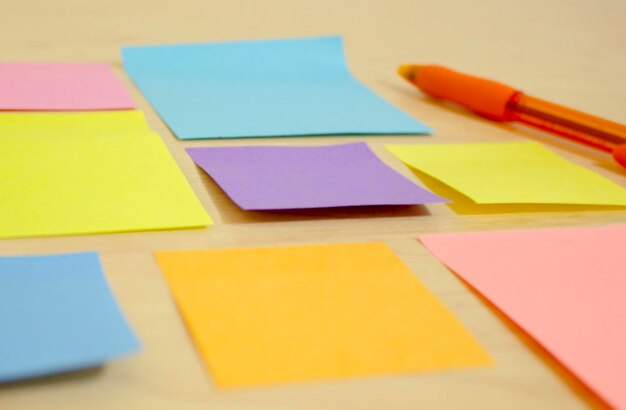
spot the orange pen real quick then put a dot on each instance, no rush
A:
(500, 102)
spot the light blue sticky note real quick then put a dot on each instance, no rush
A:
(261, 89)
(57, 314)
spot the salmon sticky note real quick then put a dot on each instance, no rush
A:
(61, 87)
(276, 315)
(85, 180)
(565, 287)
(57, 314)
(509, 173)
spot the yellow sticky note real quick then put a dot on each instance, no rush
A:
(91, 182)
(509, 173)
(14, 124)
(274, 315)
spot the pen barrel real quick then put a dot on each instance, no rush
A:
(484, 97)
(499, 102)
(585, 128)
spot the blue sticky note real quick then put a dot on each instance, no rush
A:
(261, 89)
(57, 314)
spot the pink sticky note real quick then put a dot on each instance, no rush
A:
(564, 287)
(61, 87)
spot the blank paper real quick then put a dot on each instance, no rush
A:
(565, 287)
(83, 180)
(61, 87)
(57, 314)
(510, 173)
(261, 89)
(286, 314)
(282, 177)
(16, 124)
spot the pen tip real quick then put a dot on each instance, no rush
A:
(408, 72)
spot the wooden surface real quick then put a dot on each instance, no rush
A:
(571, 52)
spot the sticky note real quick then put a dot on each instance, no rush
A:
(57, 314)
(564, 287)
(261, 89)
(510, 173)
(276, 315)
(283, 177)
(61, 87)
(90, 182)
(15, 124)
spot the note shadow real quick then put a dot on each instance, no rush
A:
(610, 164)
(591, 399)
(463, 205)
(231, 213)
(53, 379)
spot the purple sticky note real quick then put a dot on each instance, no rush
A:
(270, 177)
(61, 87)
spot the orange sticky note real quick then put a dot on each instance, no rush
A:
(565, 287)
(274, 315)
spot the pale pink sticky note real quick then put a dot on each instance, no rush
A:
(61, 87)
(564, 287)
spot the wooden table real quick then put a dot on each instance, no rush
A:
(571, 52)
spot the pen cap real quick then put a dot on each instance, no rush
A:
(485, 97)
